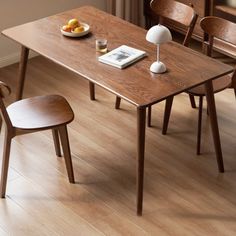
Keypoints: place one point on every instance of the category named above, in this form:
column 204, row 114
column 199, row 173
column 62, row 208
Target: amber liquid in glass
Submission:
column 101, row 45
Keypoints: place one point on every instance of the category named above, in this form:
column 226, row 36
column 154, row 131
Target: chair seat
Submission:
column 40, row 112
column 218, row 85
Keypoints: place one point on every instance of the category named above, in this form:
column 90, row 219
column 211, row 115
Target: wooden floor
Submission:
column 183, row 195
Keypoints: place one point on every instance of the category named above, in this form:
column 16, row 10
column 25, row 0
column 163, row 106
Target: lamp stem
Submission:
column 158, row 52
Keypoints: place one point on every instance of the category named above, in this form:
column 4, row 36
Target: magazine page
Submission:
column 122, row 56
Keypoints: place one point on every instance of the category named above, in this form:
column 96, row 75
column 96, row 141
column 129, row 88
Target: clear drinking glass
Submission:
column 101, row 45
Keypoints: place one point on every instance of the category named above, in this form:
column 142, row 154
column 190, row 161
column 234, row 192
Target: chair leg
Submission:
column 118, row 100
column 169, row 102
column 199, row 129
column 56, row 140
column 66, row 151
column 149, row 118
column 0, row 124
column 192, row 101
column 92, row 91
column 5, row 163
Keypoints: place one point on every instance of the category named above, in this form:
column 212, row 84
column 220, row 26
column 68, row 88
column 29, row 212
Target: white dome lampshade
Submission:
column 158, row 34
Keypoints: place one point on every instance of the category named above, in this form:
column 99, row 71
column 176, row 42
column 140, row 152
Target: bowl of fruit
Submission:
column 74, row 28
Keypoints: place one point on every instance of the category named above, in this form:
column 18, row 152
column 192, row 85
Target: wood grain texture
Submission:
column 184, row 194
column 32, row 115
column 224, row 30
column 22, row 71
column 227, row 9
column 173, row 10
column 181, row 14
column 201, row 7
column 219, row 28
column 218, row 85
column 136, row 83
column 40, row 112
column 137, row 90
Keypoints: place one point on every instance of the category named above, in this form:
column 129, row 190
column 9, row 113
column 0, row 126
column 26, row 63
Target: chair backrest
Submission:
column 4, row 91
column 177, row 12
column 220, row 28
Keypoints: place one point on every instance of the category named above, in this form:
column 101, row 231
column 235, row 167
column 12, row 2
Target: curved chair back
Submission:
column 177, row 12
column 4, row 92
column 219, row 28
column 222, row 29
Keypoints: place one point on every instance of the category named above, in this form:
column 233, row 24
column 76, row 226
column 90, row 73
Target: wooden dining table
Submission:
column 136, row 84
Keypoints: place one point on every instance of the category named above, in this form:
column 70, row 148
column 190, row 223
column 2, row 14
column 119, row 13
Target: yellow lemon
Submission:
column 78, row 29
column 73, row 23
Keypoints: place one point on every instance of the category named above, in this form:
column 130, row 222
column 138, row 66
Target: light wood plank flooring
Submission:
column 183, row 195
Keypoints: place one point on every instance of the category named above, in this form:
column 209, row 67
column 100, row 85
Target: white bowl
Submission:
column 80, row 34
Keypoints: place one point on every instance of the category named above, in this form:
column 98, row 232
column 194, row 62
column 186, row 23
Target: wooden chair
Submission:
column 32, row 115
column 172, row 11
column 225, row 30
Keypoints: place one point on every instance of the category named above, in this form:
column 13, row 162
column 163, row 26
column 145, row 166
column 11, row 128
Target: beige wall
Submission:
column 15, row 12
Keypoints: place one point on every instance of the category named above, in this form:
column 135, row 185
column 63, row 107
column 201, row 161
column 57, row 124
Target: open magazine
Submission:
column 122, row 56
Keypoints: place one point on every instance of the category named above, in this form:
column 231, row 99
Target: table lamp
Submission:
column 158, row 34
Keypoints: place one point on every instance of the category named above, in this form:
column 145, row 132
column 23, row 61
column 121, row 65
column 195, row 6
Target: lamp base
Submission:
column 158, row 67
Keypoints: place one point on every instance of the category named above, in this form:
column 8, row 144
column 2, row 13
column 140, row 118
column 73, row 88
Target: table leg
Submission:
column 117, row 104
column 92, row 90
column 22, row 71
column 214, row 125
column 141, row 119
